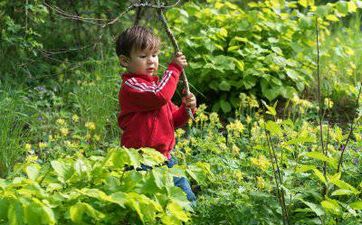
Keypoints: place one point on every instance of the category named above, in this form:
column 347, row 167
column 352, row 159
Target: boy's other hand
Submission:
column 180, row 59
column 190, row 101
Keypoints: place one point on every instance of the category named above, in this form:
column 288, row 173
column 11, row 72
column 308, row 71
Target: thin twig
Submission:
column 277, row 178
column 353, row 123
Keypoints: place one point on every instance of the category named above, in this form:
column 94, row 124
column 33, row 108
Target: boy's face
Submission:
column 141, row 62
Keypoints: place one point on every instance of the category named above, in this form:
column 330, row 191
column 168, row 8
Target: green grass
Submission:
column 13, row 126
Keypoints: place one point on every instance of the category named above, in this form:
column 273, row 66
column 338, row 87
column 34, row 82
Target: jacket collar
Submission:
column 126, row 76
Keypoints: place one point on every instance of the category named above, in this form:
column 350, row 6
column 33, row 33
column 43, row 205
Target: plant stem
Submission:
column 277, row 178
column 353, row 123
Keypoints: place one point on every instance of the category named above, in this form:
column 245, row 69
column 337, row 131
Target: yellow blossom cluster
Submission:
column 260, row 182
column 90, row 125
column 328, row 103
column 235, row 128
column 75, row 118
column 42, row 145
column 301, row 104
column 261, row 162
column 179, row 133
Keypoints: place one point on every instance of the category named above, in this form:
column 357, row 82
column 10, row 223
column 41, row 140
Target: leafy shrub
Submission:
column 263, row 50
column 94, row 190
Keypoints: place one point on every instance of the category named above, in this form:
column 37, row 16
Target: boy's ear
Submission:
column 123, row 60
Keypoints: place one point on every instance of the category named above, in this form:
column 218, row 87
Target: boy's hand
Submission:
column 180, row 59
column 190, row 101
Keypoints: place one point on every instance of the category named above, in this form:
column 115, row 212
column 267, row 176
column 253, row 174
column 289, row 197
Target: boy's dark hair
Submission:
column 137, row 38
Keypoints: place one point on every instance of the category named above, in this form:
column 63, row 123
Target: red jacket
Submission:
column 148, row 118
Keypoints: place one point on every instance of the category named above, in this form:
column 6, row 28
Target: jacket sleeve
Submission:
column 179, row 115
column 146, row 96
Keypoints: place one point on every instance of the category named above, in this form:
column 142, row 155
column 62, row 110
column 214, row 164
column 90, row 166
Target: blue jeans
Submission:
column 182, row 182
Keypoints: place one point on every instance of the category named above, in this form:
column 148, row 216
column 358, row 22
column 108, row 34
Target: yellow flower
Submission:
column 97, row 137
column 235, row 128
column 27, row 147
column 248, row 119
column 88, row 136
column 50, row 137
column 42, row 145
column 31, row 158
column 238, row 175
column 260, row 183
column 179, row 133
column 64, row 131
column 214, row 119
column 60, row 122
column 75, row 118
column 328, row 103
column 235, row 150
column 261, row 162
column 90, row 125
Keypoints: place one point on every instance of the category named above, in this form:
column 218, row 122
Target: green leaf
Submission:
column 356, row 205
column 341, row 192
column 344, row 185
column 63, row 170
column 320, row 176
column 119, row 198
column 292, row 74
column 225, row 106
column 314, row 207
column 322, row 157
column 32, row 171
column 36, row 212
column 80, row 209
column 177, row 211
column 271, row 109
column 304, row 168
column 332, row 206
column 273, row 128
column 224, row 86
column 15, row 214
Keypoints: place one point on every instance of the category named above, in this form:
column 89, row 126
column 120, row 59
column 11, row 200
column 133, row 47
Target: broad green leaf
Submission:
column 292, row 74
column 4, row 207
column 32, row 171
column 332, row 206
column 119, row 198
column 63, row 170
column 15, row 214
column 344, row 185
column 317, row 209
column 356, row 205
column 81, row 167
column 150, row 157
column 224, row 86
column 320, row 176
column 225, row 106
column 322, row 157
column 95, row 193
column 80, row 209
column 304, row 168
column 239, row 65
column 176, row 210
column 273, row 128
column 36, row 212
column 341, row 192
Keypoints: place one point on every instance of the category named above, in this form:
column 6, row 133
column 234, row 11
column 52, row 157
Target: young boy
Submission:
column 148, row 117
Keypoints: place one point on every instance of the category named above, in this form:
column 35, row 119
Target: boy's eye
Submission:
column 142, row 56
